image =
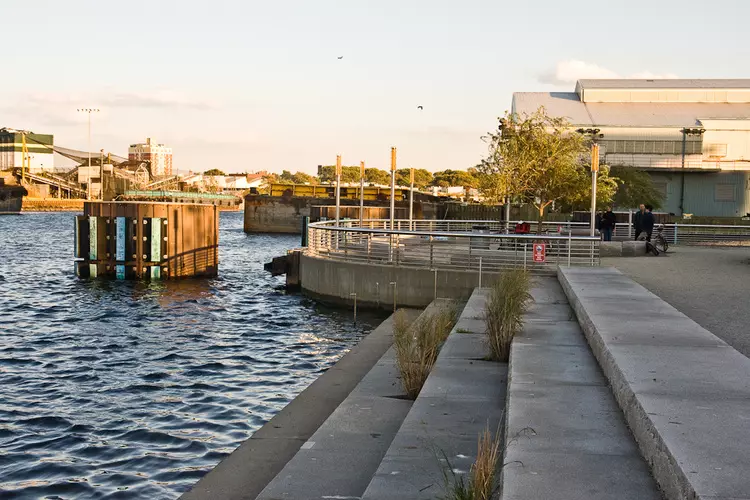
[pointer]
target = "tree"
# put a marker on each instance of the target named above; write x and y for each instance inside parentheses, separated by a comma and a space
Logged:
(449, 177)
(285, 177)
(539, 159)
(377, 176)
(422, 177)
(635, 187)
(348, 174)
(214, 171)
(303, 178)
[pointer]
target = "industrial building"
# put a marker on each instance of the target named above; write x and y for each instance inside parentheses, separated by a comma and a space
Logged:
(691, 136)
(159, 157)
(39, 152)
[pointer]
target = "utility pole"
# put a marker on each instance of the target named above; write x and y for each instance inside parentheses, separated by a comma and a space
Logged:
(338, 188)
(685, 133)
(101, 174)
(89, 111)
(411, 197)
(393, 186)
(361, 192)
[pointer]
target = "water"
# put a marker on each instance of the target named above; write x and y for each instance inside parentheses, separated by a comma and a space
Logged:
(135, 390)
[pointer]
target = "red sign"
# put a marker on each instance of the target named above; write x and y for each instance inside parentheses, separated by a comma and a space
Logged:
(539, 252)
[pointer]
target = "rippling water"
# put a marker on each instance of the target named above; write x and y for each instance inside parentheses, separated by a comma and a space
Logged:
(112, 389)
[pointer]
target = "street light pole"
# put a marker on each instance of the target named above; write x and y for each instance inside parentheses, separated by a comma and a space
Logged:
(411, 197)
(361, 192)
(89, 111)
(338, 188)
(393, 186)
(594, 172)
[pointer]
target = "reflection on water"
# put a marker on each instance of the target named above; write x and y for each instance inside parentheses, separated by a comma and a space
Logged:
(138, 388)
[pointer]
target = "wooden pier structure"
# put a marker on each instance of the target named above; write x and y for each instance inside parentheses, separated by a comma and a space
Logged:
(147, 240)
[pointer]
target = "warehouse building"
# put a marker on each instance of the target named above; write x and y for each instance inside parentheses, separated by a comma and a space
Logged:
(39, 154)
(692, 136)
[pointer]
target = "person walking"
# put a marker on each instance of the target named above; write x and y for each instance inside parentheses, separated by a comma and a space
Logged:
(638, 220)
(647, 223)
(608, 224)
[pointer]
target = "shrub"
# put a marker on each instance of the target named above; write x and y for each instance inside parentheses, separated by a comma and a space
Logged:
(417, 346)
(504, 310)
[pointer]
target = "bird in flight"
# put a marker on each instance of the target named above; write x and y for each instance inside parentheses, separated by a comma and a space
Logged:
(341, 57)
(420, 107)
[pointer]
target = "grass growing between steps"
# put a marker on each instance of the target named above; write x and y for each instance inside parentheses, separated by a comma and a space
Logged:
(417, 345)
(508, 301)
(482, 483)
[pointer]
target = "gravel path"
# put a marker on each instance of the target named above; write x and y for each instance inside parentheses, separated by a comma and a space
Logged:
(709, 285)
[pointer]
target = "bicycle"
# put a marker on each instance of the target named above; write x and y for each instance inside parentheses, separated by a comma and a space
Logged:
(660, 242)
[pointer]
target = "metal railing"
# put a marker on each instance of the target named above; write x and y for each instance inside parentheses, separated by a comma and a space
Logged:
(696, 234)
(436, 248)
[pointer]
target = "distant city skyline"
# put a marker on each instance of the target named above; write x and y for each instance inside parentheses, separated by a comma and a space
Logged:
(247, 86)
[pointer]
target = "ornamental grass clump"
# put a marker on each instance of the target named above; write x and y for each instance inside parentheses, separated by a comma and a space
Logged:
(507, 302)
(482, 483)
(417, 345)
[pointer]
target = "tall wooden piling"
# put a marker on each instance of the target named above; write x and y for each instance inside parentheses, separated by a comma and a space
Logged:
(134, 240)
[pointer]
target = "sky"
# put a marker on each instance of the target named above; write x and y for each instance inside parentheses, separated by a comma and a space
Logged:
(251, 85)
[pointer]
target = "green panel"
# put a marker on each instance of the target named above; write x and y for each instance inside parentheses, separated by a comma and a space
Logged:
(155, 272)
(156, 239)
(92, 271)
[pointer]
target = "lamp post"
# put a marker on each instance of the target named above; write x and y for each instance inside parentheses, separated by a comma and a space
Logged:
(594, 133)
(393, 186)
(686, 132)
(88, 111)
(338, 188)
(361, 192)
(411, 197)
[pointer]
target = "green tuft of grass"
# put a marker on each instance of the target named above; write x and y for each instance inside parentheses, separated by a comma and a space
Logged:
(417, 345)
(507, 302)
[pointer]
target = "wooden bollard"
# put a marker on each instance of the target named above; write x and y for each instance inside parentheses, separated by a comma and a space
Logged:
(135, 240)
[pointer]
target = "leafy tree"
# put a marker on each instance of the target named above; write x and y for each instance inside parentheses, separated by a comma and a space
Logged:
(635, 187)
(286, 177)
(214, 171)
(303, 178)
(377, 176)
(539, 159)
(449, 177)
(348, 174)
(422, 177)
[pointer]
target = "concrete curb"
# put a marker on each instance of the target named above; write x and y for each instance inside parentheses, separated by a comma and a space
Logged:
(248, 469)
(698, 459)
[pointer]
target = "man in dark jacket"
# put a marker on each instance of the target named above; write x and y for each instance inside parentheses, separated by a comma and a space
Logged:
(638, 220)
(608, 224)
(648, 222)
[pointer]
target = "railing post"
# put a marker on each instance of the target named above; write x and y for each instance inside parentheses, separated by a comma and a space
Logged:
(432, 250)
(570, 243)
(480, 272)
(435, 271)
(398, 241)
(675, 234)
(524, 255)
(369, 246)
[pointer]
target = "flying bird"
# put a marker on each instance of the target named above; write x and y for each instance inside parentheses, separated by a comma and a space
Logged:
(341, 57)
(420, 107)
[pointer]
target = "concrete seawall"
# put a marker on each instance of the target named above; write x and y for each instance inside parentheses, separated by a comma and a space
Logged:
(334, 281)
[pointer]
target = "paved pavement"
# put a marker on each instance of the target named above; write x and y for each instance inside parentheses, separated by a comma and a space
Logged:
(709, 285)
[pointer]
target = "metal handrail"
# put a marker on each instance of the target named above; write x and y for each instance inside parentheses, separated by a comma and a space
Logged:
(448, 234)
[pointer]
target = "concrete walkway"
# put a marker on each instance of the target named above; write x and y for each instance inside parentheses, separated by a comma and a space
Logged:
(247, 470)
(684, 392)
(462, 396)
(566, 437)
(709, 285)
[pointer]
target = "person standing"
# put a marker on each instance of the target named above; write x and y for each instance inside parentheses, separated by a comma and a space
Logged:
(608, 224)
(647, 223)
(638, 220)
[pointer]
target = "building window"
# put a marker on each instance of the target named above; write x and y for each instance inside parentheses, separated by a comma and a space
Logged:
(615, 146)
(724, 192)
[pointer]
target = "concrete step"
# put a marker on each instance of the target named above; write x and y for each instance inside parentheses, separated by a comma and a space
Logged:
(248, 469)
(462, 395)
(340, 458)
(566, 437)
(684, 392)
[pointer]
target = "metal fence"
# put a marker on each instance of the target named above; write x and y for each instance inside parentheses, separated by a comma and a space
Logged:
(449, 245)
(676, 234)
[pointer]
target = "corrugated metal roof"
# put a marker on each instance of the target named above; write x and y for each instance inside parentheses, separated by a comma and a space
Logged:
(626, 114)
(676, 83)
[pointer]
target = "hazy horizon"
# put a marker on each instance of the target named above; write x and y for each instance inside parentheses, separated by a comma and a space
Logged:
(247, 86)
